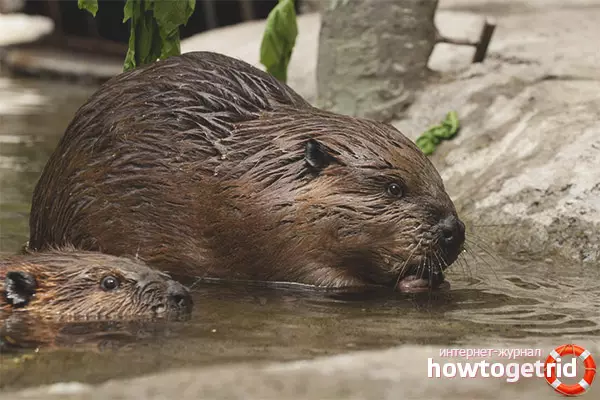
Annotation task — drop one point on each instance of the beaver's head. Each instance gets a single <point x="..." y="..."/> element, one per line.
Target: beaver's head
<point x="374" y="204"/>
<point x="75" y="285"/>
<point x="387" y="197"/>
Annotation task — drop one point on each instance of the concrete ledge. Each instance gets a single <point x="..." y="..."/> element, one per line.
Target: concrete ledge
<point x="398" y="373"/>
<point x="51" y="62"/>
<point x="22" y="28"/>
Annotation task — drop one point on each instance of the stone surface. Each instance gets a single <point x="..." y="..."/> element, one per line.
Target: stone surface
<point x="21" y="28"/>
<point x="398" y="373"/>
<point x="527" y="160"/>
<point x="55" y="62"/>
<point x="373" y="56"/>
<point x="464" y="26"/>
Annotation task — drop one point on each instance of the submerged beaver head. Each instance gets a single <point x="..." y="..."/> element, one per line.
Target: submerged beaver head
<point x="86" y="285"/>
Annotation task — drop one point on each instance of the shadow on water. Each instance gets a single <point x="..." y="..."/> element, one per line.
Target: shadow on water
<point x="516" y="301"/>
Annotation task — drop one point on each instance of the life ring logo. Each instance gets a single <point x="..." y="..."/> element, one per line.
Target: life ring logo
<point x="551" y="367"/>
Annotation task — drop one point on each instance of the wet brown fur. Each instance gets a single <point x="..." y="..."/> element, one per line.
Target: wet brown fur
<point x="68" y="286"/>
<point x="196" y="164"/>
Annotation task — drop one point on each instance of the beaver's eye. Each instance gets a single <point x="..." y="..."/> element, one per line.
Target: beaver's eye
<point x="395" y="190"/>
<point x="109" y="283"/>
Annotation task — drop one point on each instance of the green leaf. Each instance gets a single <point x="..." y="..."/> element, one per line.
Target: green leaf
<point x="425" y="145"/>
<point x="431" y="138"/>
<point x="154" y="30"/>
<point x="89" y="5"/>
<point x="128" y="10"/>
<point x="451" y="122"/>
<point x="128" y="13"/>
<point x="169" y="16"/>
<point x="279" y="39"/>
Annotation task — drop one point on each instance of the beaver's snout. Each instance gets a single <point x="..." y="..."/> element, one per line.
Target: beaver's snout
<point x="452" y="232"/>
<point x="178" y="297"/>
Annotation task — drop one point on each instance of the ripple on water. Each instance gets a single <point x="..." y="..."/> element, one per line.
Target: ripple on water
<point x="549" y="300"/>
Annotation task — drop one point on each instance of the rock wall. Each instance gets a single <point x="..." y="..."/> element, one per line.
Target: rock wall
<point x="525" y="169"/>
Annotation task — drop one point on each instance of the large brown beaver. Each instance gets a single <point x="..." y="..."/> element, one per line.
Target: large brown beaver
<point x="206" y="166"/>
<point x="67" y="284"/>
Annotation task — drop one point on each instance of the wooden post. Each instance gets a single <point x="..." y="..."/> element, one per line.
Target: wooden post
<point x="484" y="41"/>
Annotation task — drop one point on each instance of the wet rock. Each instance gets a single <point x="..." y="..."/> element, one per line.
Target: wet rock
<point x="398" y="373"/>
<point x="525" y="169"/>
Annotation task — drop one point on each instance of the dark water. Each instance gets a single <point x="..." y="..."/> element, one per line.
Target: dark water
<point x="491" y="298"/>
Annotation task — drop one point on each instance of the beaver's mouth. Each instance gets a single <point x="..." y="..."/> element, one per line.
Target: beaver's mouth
<point x="177" y="305"/>
<point x="416" y="281"/>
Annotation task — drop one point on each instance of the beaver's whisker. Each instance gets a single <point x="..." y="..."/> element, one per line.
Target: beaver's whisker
<point x="405" y="265"/>
<point x="422" y="266"/>
<point x="430" y="273"/>
<point x="466" y="271"/>
<point x="477" y="256"/>
<point x="440" y="261"/>
<point x="483" y="247"/>
<point x="491" y="225"/>
<point x="197" y="281"/>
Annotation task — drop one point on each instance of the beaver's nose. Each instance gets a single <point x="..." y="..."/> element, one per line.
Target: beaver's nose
<point x="452" y="234"/>
<point x="179" y="296"/>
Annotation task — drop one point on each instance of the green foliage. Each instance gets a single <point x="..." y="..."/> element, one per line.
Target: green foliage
<point x="89" y="5"/>
<point x="430" y="139"/>
<point x="279" y="39"/>
<point x="154" y="31"/>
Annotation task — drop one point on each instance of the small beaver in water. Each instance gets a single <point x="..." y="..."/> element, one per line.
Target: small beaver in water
<point x="206" y="166"/>
<point x="66" y="284"/>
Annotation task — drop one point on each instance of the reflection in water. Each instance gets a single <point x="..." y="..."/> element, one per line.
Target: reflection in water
<point x="20" y="332"/>
<point x="520" y="302"/>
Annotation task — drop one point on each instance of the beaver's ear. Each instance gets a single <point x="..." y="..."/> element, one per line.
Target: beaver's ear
<point x="19" y="288"/>
<point x="316" y="155"/>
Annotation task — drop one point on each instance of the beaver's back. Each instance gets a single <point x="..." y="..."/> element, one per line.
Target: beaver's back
<point x="142" y="128"/>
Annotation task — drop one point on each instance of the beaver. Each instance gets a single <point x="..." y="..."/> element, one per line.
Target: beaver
<point x="206" y="166"/>
<point x="69" y="284"/>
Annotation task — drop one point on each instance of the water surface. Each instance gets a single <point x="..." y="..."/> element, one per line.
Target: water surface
<point x="491" y="298"/>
